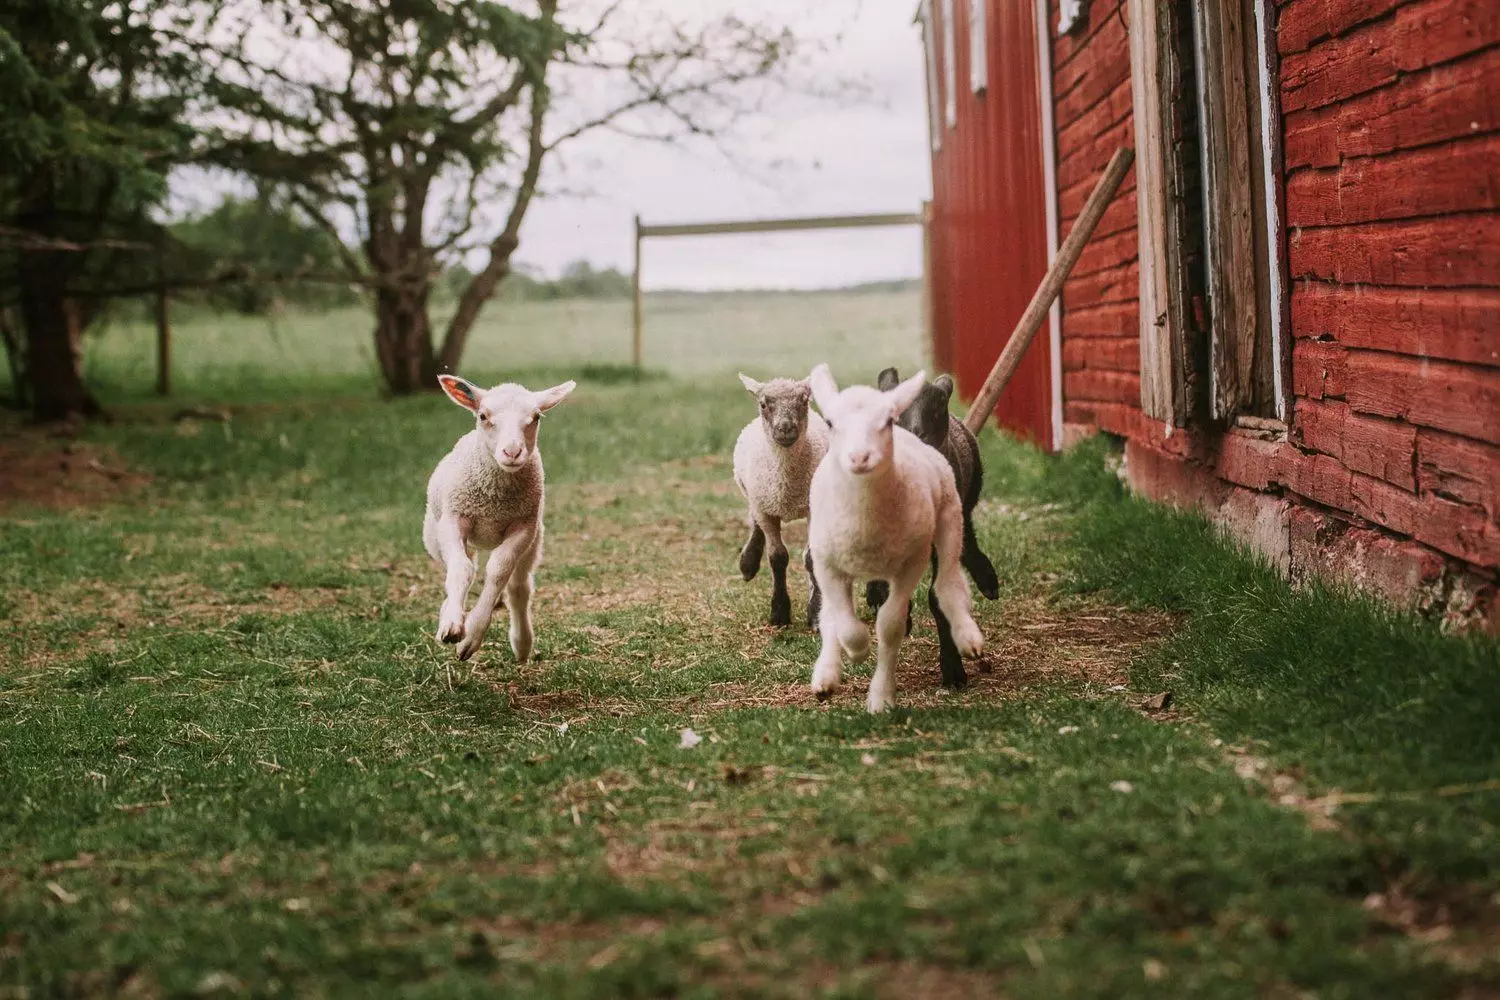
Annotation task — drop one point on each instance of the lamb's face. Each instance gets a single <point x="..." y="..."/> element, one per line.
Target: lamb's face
<point x="783" y="407"/>
<point x="507" y="416"/>
<point x="861" y="420"/>
<point x="927" y="418"/>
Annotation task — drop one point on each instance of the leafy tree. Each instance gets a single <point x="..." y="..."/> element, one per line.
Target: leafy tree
<point x="96" y="96"/>
<point x="410" y="121"/>
<point x="246" y="252"/>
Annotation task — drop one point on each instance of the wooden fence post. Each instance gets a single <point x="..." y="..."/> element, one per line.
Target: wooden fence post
<point x="163" y="330"/>
<point x="635" y="291"/>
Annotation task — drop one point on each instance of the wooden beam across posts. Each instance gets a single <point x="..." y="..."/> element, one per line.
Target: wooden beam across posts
<point x="749" y="226"/>
<point x="635" y="293"/>
<point x="782" y="225"/>
<point x="1051" y="286"/>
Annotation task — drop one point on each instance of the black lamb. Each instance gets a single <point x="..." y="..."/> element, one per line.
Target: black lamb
<point x="928" y="418"/>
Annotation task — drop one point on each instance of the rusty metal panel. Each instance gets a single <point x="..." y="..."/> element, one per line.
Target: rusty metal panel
<point x="989" y="229"/>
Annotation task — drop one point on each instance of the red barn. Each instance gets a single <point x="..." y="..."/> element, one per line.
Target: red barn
<point x="1290" y="312"/>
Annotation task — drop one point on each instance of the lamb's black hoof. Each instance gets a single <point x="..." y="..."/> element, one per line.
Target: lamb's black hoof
<point x="824" y="696"/>
<point x="781" y="611"/>
<point x="953" y="675"/>
<point x="748" y="566"/>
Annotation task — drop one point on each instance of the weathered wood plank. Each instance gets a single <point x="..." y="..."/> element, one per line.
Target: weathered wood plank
<point x="1447" y="251"/>
<point x="1110" y="72"/>
<point x="1318" y="369"/>
<point x="1108" y="386"/>
<point x="1303" y="23"/>
<point x="1110" y="320"/>
<point x="1421" y="34"/>
<point x="1108" y="40"/>
<point x="1158" y="92"/>
<point x="1456" y="325"/>
<point x="1451" y="397"/>
<point x="1375" y="446"/>
<point x="1106" y="253"/>
<point x="1460" y="468"/>
<point x="1085" y="163"/>
<point x="1121" y="284"/>
<point x="1230" y="123"/>
<point x="1117" y="354"/>
<point x="1109" y="112"/>
<point x="1070" y="201"/>
<point x="1461" y="176"/>
<point x="1066" y="47"/>
<point x="1445" y="102"/>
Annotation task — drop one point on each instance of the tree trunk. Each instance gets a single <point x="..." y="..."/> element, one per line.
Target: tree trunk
<point x="403" y="338"/>
<point x="53" y="343"/>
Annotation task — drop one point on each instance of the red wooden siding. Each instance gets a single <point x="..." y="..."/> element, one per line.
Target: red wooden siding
<point x="1390" y="132"/>
<point x="988" y="231"/>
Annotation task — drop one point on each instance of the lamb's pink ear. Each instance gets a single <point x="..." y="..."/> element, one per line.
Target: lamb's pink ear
<point x="906" y="393"/>
<point x="546" y="399"/>
<point x="824" y="389"/>
<point x="461" y="391"/>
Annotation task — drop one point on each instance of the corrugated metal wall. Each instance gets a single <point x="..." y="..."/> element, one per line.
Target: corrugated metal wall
<point x="989" y="236"/>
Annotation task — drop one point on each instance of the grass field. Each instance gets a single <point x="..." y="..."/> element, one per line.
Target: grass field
<point x="685" y="335"/>
<point x="235" y="762"/>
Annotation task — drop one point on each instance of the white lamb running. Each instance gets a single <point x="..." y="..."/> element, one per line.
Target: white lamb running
<point x="487" y="494"/>
<point x="774" y="461"/>
<point x="883" y="505"/>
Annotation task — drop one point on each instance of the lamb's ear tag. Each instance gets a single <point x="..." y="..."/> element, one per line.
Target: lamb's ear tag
<point x="462" y="392"/>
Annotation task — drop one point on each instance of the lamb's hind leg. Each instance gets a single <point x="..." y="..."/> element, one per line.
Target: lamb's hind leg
<point x="949" y="662"/>
<point x="977" y="563"/>
<point x="518" y="600"/>
<point x="460" y="577"/>
<point x="949" y="599"/>
<point x="779" y="558"/>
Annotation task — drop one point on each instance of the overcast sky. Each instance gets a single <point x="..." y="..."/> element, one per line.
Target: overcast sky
<point x="808" y="157"/>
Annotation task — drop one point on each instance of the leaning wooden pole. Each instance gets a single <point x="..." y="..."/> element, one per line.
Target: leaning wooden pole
<point x="1050" y="288"/>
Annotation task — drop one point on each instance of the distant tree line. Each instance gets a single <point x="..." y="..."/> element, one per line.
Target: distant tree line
<point x="411" y="135"/>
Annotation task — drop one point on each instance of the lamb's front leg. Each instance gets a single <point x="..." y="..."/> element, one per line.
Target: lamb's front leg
<point x="460" y="577"/>
<point x="779" y="558"/>
<point x="497" y="573"/>
<point x="836" y="622"/>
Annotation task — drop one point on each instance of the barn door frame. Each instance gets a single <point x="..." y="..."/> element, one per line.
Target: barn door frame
<point x="1043" y="18"/>
<point x="1243" y="209"/>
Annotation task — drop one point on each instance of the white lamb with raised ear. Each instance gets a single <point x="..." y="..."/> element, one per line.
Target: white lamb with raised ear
<point x="883" y="506"/>
<point x="486" y="495"/>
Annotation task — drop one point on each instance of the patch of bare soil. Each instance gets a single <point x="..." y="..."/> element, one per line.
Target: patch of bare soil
<point x="39" y="469"/>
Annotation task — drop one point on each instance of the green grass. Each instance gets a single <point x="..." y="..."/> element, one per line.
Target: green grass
<point x="685" y="335"/>
<point x="235" y="761"/>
